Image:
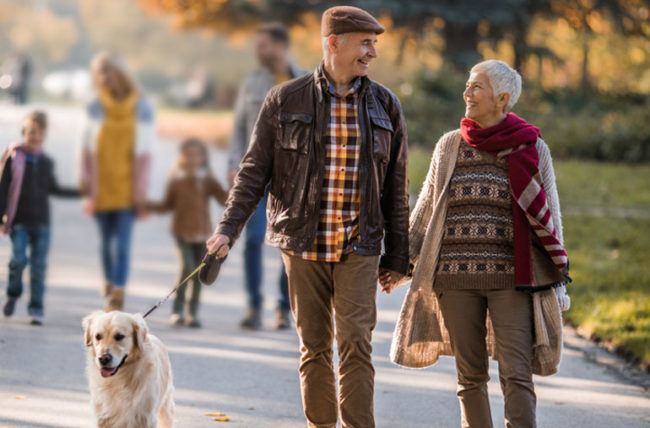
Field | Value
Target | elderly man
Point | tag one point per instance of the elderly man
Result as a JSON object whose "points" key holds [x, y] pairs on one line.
{"points": [[333, 146], [272, 51]]}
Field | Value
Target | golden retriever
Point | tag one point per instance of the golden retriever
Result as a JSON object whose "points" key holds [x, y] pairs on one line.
{"points": [[129, 373]]}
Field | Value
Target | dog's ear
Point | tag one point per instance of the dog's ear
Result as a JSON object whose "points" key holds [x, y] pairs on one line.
{"points": [[86, 324], [140, 331]]}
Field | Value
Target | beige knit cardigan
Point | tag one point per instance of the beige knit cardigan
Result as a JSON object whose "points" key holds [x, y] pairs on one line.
{"points": [[420, 336]]}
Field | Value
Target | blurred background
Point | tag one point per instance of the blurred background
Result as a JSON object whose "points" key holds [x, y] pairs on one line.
{"points": [[586, 70]]}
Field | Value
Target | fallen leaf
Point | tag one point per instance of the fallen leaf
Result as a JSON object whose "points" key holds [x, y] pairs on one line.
{"points": [[223, 419], [215, 414], [20, 397]]}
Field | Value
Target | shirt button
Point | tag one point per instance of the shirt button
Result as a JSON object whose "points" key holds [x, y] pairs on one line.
{"points": [[338, 218], [342, 169], [343, 146], [340, 194]]}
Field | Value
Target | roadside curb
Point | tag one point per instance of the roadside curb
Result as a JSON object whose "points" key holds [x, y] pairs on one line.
{"points": [[591, 351]]}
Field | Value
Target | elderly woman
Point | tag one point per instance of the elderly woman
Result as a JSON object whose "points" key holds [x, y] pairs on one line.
{"points": [[490, 266], [115, 162]]}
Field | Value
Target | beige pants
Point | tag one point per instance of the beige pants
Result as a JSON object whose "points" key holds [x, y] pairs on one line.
{"points": [[329, 299], [464, 313]]}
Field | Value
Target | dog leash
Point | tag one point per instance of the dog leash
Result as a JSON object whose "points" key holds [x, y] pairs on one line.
{"points": [[164, 299], [210, 261]]}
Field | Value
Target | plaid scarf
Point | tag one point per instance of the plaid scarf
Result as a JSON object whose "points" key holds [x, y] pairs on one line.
{"points": [[517, 139]]}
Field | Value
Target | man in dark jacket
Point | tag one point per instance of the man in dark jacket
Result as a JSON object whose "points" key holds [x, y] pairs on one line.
{"points": [[333, 147]]}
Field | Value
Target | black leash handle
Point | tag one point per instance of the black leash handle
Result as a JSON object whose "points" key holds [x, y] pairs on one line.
{"points": [[208, 270]]}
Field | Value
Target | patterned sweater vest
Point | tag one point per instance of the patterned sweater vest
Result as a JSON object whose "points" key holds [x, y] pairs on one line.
{"points": [[477, 247]]}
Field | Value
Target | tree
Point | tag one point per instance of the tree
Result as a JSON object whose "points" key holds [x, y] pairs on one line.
{"points": [[461, 20], [463, 24]]}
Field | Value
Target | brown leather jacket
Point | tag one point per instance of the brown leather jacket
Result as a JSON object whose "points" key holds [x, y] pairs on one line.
{"points": [[287, 151]]}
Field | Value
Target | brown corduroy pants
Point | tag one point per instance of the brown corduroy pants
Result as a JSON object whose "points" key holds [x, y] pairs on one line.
{"points": [[511, 312], [331, 300]]}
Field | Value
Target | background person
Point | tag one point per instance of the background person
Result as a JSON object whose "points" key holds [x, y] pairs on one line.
{"points": [[27, 182], [272, 51], [190, 187], [115, 163], [338, 191]]}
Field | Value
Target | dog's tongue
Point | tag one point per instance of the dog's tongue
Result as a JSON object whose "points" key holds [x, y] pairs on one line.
{"points": [[108, 372]]}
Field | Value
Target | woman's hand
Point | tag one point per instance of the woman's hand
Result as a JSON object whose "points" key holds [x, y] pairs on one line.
{"points": [[390, 280], [88, 207], [563, 299]]}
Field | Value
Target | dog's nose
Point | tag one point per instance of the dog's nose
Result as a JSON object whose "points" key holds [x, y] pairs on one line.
{"points": [[105, 359]]}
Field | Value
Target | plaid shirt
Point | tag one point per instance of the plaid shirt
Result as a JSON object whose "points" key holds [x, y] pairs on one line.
{"points": [[338, 225]]}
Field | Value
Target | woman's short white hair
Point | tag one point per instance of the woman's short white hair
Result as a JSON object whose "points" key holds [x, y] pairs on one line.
{"points": [[503, 79]]}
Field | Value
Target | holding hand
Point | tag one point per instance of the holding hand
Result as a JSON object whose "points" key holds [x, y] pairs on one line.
{"points": [[389, 280], [218, 243], [88, 207]]}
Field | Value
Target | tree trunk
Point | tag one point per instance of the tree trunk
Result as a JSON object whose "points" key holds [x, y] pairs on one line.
{"points": [[461, 42], [519, 44], [585, 82]]}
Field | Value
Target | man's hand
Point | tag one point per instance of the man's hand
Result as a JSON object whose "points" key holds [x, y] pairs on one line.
{"points": [[218, 243], [389, 280], [3, 229], [141, 212]]}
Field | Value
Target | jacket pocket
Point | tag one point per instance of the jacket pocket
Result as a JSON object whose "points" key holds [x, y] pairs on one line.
{"points": [[296, 131], [382, 134]]}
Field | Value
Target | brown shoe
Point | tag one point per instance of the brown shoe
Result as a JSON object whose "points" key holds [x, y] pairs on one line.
{"points": [[115, 302], [193, 322], [252, 320], [282, 319], [107, 289]]}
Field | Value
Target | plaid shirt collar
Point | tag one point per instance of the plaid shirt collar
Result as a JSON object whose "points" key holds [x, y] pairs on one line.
{"points": [[353, 90], [323, 86]]}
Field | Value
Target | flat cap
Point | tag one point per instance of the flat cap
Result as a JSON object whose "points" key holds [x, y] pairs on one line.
{"points": [[348, 19]]}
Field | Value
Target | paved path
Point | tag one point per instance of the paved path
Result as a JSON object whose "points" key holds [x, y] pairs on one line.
{"points": [[250, 376]]}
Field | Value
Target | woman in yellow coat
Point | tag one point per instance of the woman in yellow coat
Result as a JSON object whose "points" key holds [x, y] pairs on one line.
{"points": [[115, 163]]}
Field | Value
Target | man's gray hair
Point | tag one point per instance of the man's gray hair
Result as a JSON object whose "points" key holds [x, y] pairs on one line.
{"points": [[325, 40], [503, 79]]}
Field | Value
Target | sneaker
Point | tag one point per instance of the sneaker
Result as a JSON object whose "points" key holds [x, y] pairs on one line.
{"points": [[36, 320], [176, 320], [193, 322], [10, 307], [282, 319], [252, 320]]}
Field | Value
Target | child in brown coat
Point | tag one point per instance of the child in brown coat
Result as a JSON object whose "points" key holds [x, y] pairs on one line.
{"points": [[189, 189]]}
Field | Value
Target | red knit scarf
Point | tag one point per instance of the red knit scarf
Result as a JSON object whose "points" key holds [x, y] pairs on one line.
{"points": [[517, 139]]}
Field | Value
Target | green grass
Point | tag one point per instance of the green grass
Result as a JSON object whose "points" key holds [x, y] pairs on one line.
{"points": [[595, 184], [610, 256], [611, 279]]}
